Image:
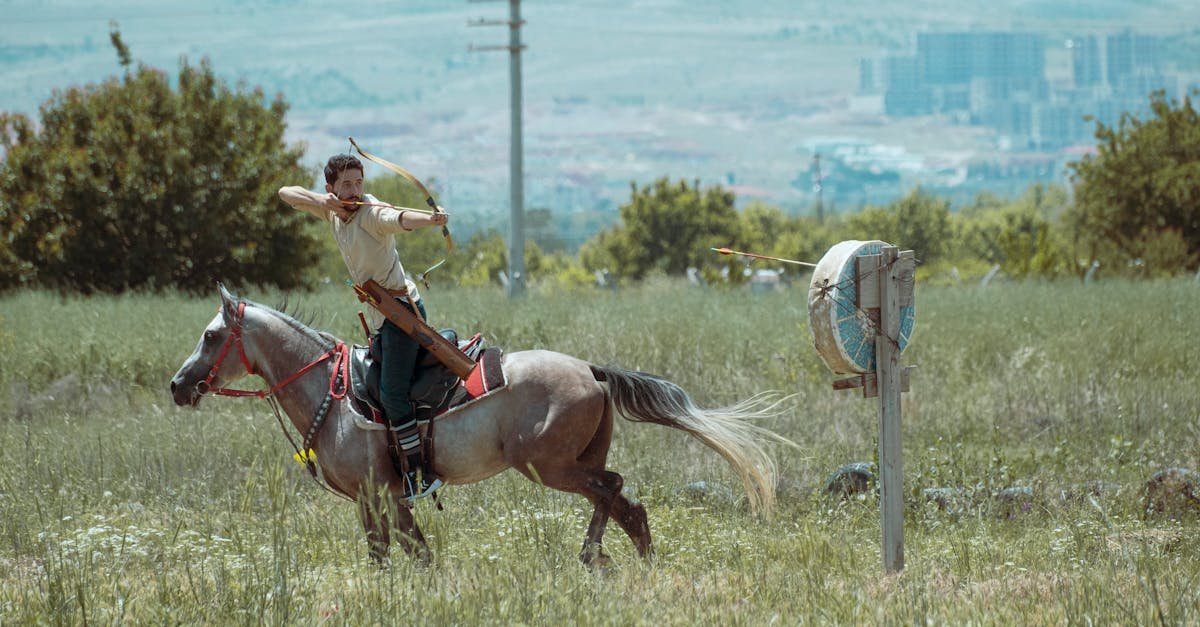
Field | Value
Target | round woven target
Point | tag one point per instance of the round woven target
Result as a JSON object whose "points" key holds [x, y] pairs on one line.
{"points": [[843, 334]]}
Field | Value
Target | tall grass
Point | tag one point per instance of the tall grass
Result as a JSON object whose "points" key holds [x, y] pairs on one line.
{"points": [[116, 506]]}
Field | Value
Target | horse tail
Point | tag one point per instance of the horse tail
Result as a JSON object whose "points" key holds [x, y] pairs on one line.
{"points": [[730, 431]]}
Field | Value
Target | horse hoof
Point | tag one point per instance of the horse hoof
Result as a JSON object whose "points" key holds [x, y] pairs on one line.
{"points": [[595, 559], [646, 553], [601, 565]]}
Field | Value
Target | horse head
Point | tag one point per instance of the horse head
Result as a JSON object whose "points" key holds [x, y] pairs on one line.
{"points": [[212, 363]]}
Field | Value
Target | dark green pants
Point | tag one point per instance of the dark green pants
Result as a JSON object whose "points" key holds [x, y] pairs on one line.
{"points": [[398, 364]]}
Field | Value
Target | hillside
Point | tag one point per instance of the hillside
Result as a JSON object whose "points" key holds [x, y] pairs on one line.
{"points": [[736, 93]]}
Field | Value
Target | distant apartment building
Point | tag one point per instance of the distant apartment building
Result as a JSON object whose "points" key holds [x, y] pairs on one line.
{"points": [[954, 72], [1128, 54], [1086, 70], [998, 80], [959, 58], [1132, 67], [905, 93]]}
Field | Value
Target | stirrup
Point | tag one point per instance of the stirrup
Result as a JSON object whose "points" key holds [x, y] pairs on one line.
{"points": [[411, 490]]}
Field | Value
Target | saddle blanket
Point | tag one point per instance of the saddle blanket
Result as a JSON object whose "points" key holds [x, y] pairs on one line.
{"points": [[485, 378]]}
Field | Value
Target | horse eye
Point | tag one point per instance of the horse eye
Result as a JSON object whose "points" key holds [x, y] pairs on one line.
{"points": [[209, 335]]}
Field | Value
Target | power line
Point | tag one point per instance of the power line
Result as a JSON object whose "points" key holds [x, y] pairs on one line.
{"points": [[140, 16]]}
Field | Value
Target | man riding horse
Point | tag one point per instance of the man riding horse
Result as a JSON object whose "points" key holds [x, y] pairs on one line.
{"points": [[365, 231]]}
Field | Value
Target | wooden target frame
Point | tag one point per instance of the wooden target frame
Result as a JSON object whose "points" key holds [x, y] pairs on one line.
{"points": [[861, 315]]}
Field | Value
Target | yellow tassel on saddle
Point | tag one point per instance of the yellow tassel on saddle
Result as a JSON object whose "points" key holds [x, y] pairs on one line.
{"points": [[305, 457]]}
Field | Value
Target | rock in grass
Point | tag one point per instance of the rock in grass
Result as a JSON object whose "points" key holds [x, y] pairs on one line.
{"points": [[1172, 492], [1014, 501], [705, 491], [68, 388], [853, 478], [19, 393], [791, 488], [947, 499], [1081, 492]]}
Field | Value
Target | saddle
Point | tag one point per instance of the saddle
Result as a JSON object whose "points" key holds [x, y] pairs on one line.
{"points": [[435, 389]]}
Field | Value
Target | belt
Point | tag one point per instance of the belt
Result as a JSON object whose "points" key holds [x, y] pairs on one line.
{"points": [[402, 292]]}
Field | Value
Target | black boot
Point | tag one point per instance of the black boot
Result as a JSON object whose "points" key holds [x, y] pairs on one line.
{"points": [[419, 481]]}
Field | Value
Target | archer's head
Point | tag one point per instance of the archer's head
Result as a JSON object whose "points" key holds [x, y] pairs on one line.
{"points": [[344, 177]]}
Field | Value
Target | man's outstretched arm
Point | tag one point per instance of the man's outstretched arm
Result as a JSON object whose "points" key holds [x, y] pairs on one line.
{"points": [[320, 205]]}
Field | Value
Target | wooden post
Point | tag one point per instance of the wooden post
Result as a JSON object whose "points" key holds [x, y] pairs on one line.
{"points": [[445, 351], [860, 310], [887, 373]]}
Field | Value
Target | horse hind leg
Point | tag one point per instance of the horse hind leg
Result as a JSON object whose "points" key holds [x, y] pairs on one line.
{"points": [[603, 489], [632, 518]]}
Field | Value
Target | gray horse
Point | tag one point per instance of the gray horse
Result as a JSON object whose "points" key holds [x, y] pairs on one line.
{"points": [[552, 422]]}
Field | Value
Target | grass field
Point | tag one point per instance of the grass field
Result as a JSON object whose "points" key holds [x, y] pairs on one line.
{"points": [[118, 507]]}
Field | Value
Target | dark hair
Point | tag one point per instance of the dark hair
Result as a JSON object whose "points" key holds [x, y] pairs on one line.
{"points": [[338, 164]]}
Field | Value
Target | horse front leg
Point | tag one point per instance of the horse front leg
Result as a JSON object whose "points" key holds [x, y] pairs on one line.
{"points": [[411, 539], [372, 512], [377, 523]]}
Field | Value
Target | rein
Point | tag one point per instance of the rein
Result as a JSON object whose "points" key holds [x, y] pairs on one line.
{"points": [[340, 353], [339, 384]]}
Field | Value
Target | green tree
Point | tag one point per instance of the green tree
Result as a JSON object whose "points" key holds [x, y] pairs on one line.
{"points": [[485, 255], [540, 226], [481, 260], [767, 231], [1141, 191], [806, 239], [133, 184], [666, 227], [761, 225], [919, 221], [1024, 237]]}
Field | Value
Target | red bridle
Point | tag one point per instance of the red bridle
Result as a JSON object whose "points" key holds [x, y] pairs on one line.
{"points": [[342, 364]]}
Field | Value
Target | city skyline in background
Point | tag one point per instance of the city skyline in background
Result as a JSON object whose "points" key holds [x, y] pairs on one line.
{"points": [[997, 80], [778, 101]]}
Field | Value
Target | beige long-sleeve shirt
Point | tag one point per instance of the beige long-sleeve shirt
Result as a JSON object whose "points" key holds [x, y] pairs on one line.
{"points": [[368, 246]]}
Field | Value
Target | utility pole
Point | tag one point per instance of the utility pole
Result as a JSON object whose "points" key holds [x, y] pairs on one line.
{"points": [[516, 233], [817, 186]]}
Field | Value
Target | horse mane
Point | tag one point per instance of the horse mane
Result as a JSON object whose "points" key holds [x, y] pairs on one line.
{"points": [[306, 318], [300, 321]]}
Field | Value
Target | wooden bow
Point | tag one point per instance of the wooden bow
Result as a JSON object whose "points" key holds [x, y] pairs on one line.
{"points": [[411, 178]]}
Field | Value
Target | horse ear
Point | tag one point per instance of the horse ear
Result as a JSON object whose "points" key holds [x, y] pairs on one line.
{"points": [[228, 303]]}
